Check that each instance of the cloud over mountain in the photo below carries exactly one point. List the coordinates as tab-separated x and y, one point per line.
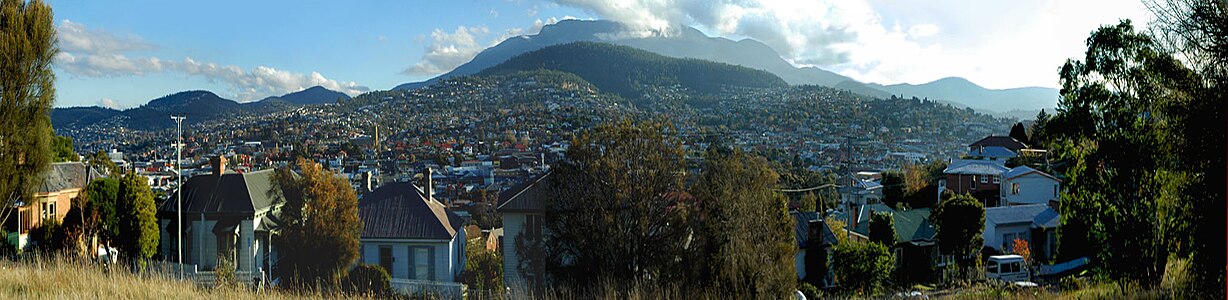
91	52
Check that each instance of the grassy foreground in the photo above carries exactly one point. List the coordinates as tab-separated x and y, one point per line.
62	278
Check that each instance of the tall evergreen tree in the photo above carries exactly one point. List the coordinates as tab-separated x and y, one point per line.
27	92
138	221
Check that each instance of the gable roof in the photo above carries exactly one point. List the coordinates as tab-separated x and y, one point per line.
67	175
975	167
528	196
1000	141
1025	170
399	211
1017	214
801	229
229	193
992	151
914	226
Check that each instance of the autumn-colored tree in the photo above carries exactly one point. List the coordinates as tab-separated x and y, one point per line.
1020	247
319	213
27	92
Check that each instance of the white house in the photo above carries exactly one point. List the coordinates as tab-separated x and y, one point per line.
224	214
1023	185
522	209
1036	224
414	237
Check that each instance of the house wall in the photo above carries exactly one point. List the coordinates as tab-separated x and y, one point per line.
965	183
513	224
1033	189
448	258
994	232
205	254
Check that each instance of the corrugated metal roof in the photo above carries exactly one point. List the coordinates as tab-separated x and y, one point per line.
399	211
978	167
228	193
1013	214
526	197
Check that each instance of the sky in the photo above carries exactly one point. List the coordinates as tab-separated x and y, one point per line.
121	54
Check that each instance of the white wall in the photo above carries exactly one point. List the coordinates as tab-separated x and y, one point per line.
1033	189
993	234
513	224
447	262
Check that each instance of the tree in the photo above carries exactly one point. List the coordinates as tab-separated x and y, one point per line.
319	213
862	267
893	187
138	222
809	202
101	198
27	92
483	269
1037	131
368	280
747	234
618	205
1020	247
101	160
882	229
1020	133
959	219
61	149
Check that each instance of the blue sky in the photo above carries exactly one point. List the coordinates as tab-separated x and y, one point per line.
124	53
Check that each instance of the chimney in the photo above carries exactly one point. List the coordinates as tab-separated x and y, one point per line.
219	165
428	189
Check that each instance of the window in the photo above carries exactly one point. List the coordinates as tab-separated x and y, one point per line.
1008	242
385	258
48	210
996	179
423	267
1014	188
533	227
1055	189
984	179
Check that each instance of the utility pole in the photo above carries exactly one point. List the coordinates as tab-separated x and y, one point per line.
179	188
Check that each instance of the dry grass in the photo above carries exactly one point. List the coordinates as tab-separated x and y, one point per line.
63	278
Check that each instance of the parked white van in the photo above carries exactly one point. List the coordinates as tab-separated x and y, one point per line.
1008	268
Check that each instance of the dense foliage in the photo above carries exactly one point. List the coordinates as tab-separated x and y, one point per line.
862	268
746	233
483	269
367	280
882	229
136	218
319	213
1140	136
27	91
61	149
960	220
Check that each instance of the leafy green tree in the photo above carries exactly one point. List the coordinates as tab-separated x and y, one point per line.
882	229
893	187
483	269
809	202
27	92
746	231
138	223
101	198
101	160
862	267
960	220
618	206
61	149
319	213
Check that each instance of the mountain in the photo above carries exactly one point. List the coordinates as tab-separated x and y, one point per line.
964	92
310	96
687	43
691	43
626	71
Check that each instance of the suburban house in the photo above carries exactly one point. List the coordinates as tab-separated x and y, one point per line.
813	234
225	214
1024	185
1037	224
980	178
414	237
860	190
61	183
996	148
522	208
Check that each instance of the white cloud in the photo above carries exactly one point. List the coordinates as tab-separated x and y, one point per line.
445	51
993	43
96	53
110	103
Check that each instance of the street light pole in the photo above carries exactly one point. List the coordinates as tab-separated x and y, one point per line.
179	188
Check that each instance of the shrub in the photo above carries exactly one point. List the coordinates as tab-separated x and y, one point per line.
368	280
862	267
